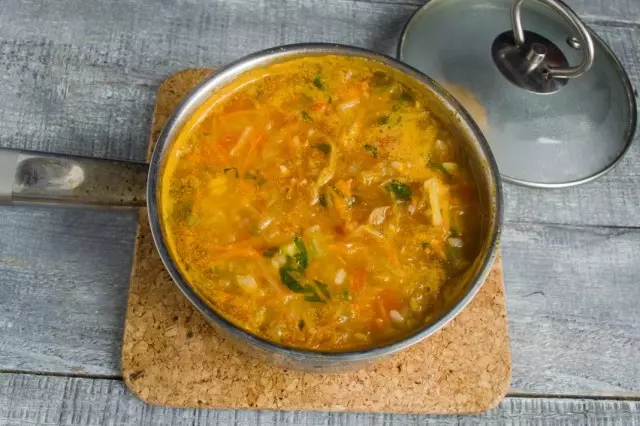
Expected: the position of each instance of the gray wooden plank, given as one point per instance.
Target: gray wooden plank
(63, 288)
(572, 307)
(620, 11)
(41, 400)
(571, 296)
(81, 78)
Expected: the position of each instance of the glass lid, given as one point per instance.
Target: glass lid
(553, 101)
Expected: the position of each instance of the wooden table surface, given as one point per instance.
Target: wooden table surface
(79, 77)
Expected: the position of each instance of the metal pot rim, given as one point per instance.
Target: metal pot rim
(227, 74)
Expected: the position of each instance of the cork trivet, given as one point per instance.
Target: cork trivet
(172, 356)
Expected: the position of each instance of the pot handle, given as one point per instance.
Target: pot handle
(28, 177)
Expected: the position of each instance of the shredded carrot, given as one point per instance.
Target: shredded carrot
(345, 187)
(338, 247)
(358, 279)
(254, 149)
(389, 299)
(382, 311)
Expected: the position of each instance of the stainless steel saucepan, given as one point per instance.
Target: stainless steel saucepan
(40, 178)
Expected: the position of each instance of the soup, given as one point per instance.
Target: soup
(318, 203)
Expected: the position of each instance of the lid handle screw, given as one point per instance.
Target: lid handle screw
(581, 30)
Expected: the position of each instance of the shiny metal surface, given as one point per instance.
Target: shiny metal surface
(554, 140)
(481, 161)
(581, 30)
(527, 65)
(39, 178)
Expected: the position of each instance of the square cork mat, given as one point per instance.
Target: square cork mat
(172, 356)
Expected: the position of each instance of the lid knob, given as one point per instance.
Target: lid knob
(546, 128)
(583, 35)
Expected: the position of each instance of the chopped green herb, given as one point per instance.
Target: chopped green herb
(301, 324)
(291, 278)
(302, 256)
(324, 200)
(372, 149)
(292, 275)
(257, 176)
(454, 232)
(228, 169)
(425, 244)
(346, 295)
(271, 251)
(400, 191)
(323, 288)
(330, 100)
(305, 116)
(383, 120)
(313, 297)
(181, 212)
(312, 293)
(440, 168)
(455, 259)
(317, 81)
(380, 79)
(406, 96)
(322, 147)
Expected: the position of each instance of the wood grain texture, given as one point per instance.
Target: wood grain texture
(80, 78)
(617, 12)
(572, 303)
(63, 292)
(40, 400)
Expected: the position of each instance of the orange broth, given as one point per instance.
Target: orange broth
(319, 204)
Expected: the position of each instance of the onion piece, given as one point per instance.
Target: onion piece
(378, 215)
(396, 316)
(340, 276)
(397, 165)
(431, 186)
(455, 242)
(344, 106)
(264, 223)
(290, 249)
(284, 171)
(278, 260)
(247, 282)
(450, 167)
(242, 141)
